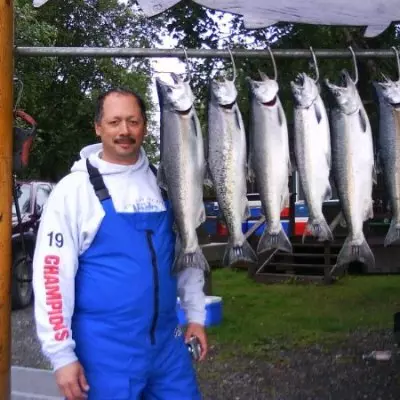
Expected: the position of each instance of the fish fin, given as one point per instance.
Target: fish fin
(319, 229)
(251, 175)
(363, 121)
(269, 241)
(195, 259)
(342, 221)
(329, 159)
(374, 175)
(328, 193)
(194, 124)
(369, 211)
(246, 210)
(281, 116)
(237, 117)
(285, 199)
(243, 253)
(318, 114)
(353, 251)
(202, 214)
(161, 179)
(378, 163)
(291, 167)
(393, 233)
(208, 181)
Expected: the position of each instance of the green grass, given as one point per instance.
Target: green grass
(259, 317)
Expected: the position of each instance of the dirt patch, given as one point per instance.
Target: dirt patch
(314, 373)
(319, 372)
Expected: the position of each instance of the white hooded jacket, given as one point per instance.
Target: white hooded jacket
(69, 223)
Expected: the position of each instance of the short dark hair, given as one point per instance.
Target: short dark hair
(98, 114)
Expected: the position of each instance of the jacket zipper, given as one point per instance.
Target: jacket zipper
(156, 286)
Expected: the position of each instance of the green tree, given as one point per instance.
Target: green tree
(194, 26)
(60, 91)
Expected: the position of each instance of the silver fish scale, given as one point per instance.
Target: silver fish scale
(270, 161)
(184, 166)
(312, 148)
(389, 140)
(227, 161)
(353, 166)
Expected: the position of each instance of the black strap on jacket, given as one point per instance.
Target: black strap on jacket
(97, 182)
(100, 188)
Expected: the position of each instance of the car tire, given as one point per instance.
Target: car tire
(21, 284)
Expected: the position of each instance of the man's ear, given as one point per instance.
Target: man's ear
(97, 129)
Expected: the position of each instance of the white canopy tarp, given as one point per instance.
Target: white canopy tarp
(377, 15)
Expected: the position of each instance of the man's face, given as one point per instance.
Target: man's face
(121, 129)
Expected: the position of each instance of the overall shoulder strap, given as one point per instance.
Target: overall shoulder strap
(97, 182)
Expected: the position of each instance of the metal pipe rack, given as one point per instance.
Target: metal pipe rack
(127, 52)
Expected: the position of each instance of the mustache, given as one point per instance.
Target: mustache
(125, 139)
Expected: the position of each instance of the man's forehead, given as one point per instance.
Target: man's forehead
(112, 104)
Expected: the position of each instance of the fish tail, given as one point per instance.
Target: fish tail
(393, 233)
(194, 259)
(269, 241)
(355, 251)
(243, 253)
(318, 228)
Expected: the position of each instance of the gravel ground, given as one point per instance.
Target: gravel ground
(315, 373)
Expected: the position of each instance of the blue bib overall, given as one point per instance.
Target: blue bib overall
(125, 323)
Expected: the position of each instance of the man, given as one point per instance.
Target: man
(105, 296)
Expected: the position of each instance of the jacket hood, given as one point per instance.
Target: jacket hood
(93, 152)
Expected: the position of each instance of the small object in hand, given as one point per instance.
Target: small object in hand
(194, 347)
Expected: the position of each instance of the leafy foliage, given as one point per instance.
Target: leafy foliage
(192, 25)
(195, 26)
(60, 92)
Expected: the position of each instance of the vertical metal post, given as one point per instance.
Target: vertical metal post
(6, 122)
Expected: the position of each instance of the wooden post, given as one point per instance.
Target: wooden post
(6, 122)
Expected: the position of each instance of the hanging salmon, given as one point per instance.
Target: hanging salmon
(182, 168)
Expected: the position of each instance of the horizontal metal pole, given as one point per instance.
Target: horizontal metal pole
(195, 53)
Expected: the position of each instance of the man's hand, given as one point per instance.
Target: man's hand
(198, 331)
(72, 382)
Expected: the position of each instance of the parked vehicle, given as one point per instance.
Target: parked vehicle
(29, 200)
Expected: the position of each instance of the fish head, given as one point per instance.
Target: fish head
(264, 91)
(177, 95)
(345, 95)
(390, 91)
(304, 90)
(224, 91)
